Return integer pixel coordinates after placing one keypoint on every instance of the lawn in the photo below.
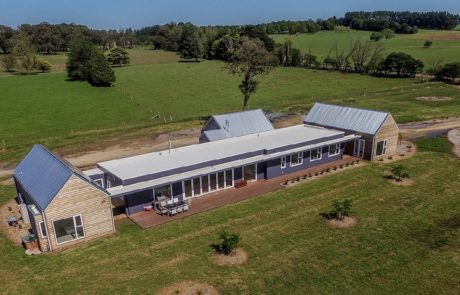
(445, 48)
(406, 242)
(47, 109)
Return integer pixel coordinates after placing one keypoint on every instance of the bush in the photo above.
(376, 36)
(9, 62)
(341, 209)
(427, 43)
(228, 244)
(100, 72)
(399, 173)
(43, 66)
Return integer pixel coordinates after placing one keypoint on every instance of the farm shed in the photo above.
(65, 207)
(230, 125)
(378, 130)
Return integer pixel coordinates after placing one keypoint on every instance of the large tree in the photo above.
(78, 61)
(24, 52)
(192, 43)
(250, 60)
(99, 71)
(9, 62)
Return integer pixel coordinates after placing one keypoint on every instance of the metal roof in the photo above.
(345, 118)
(42, 174)
(238, 124)
(136, 187)
(152, 163)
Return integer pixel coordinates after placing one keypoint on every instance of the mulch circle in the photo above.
(345, 223)
(189, 288)
(238, 258)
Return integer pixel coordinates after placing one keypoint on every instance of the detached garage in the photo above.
(379, 131)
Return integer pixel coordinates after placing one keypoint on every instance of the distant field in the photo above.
(139, 56)
(407, 242)
(48, 109)
(446, 44)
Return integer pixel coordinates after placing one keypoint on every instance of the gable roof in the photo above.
(346, 118)
(238, 124)
(42, 174)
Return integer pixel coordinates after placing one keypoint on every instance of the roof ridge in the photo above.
(239, 112)
(355, 108)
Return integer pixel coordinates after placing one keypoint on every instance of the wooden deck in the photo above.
(218, 199)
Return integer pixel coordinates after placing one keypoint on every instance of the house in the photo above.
(191, 171)
(378, 131)
(230, 125)
(64, 206)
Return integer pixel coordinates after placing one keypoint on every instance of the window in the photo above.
(162, 192)
(196, 186)
(249, 172)
(42, 227)
(213, 180)
(382, 147)
(69, 229)
(283, 162)
(188, 188)
(229, 178)
(334, 150)
(296, 159)
(316, 154)
(221, 180)
(205, 184)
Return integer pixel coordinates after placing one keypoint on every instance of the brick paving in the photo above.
(218, 199)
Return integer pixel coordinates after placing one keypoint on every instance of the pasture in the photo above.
(445, 48)
(47, 109)
(406, 242)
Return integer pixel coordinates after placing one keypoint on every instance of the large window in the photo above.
(188, 188)
(213, 180)
(221, 180)
(196, 186)
(296, 159)
(316, 154)
(205, 184)
(334, 150)
(229, 178)
(163, 192)
(250, 172)
(382, 147)
(69, 229)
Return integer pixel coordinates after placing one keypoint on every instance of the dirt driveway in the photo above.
(430, 128)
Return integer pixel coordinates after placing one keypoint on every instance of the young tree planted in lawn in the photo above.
(229, 243)
(9, 62)
(427, 43)
(118, 57)
(250, 60)
(100, 73)
(341, 209)
(399, 172)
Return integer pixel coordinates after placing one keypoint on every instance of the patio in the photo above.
(211, 201)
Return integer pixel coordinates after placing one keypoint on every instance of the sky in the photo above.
(117, 14)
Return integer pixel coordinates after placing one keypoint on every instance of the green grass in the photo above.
(446, 44)
(50, 110)
(407, 242)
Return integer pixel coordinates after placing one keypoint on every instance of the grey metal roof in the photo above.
(345, 118)
(238, 124)
(42, 174)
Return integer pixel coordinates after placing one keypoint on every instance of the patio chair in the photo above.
(180, 209)
(176, 200)
(173, 212)
(162, 203)
(185, 208)
(169, 202)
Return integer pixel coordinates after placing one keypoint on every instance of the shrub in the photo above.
(376, 36)
(43, 66)
(427, 43)
(341, 209)
(399, 172)
(229, 243)
(100, 72)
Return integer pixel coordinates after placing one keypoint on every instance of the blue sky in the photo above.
(103, 14)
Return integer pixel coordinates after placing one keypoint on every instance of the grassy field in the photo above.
(406, 242)
(446, 44)
(48, 109)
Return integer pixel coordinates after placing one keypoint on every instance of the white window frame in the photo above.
(283, 162)
(384, 148)
(75, 228)
(99, 181)
(320, 153)
(40, 223)
(300, 162)
(255, 170)
(337, 146)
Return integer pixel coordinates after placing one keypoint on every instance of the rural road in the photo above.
(409, 131)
